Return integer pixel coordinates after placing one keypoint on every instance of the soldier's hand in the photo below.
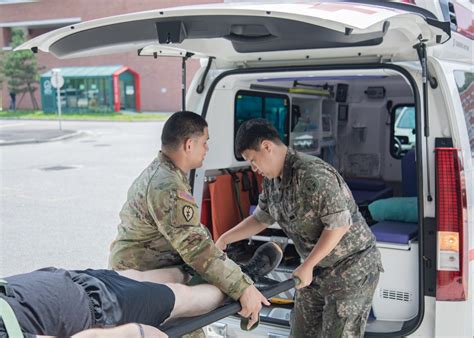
(305, 275)
(251, 301)
(220, 243)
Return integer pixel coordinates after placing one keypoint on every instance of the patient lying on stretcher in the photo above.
(105, 303)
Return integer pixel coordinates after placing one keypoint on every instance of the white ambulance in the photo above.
(334, 78)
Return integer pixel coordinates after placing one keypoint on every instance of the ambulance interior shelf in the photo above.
(313, 124)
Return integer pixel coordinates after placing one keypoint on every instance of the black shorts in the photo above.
(47, 302)
(119, 300)
(84, 299)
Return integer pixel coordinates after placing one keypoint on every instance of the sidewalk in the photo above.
(19, 133)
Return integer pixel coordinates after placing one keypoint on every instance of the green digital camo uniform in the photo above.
(311, 197)
(160, 228)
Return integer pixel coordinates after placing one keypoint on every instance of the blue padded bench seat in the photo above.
(394, 232)
(367, 196)
(365, 184)
(365, 191)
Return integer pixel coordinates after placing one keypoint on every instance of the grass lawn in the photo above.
(86, 116)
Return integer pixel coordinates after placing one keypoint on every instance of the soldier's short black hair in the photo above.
(252, 132)
(181, 126)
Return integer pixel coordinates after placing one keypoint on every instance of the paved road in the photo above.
(59, 201)
(21, 132)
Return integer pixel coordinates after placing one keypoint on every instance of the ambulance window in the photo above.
(273, 107)
(403, 130)
(407, 118)
(465, 84)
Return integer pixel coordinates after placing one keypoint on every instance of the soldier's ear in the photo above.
(188, 143)
(266, 146)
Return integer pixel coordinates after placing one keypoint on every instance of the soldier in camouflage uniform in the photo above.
(160, 224)
(314, 207)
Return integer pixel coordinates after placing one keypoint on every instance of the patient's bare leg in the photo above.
(189, 300)
(169, 275)
(195, 300)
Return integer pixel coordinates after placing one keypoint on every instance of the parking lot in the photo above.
(60, 200)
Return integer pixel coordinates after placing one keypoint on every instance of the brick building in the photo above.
(160, 78)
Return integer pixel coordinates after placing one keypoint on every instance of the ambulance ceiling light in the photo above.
(323, 78)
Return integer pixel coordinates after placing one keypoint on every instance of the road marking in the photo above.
(27, 140)
(11, 125)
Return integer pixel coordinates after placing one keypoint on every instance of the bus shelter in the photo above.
(85, 89)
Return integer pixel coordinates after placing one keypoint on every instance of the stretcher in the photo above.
(183, 326)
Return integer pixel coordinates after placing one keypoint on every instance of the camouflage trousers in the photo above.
(333, 307)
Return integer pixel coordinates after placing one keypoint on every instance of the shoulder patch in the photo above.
(310, 185)
(184, 195)
(188, 212)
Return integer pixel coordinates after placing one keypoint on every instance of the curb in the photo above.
(83, 120)
(54, 139)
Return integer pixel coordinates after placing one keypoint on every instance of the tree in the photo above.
(21, 69)
(2, 77)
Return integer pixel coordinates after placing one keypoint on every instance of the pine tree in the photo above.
(21, 69)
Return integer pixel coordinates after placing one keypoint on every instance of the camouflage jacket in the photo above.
(160, 228)
(311, 196)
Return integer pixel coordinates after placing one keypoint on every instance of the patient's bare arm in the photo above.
(131, 330)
